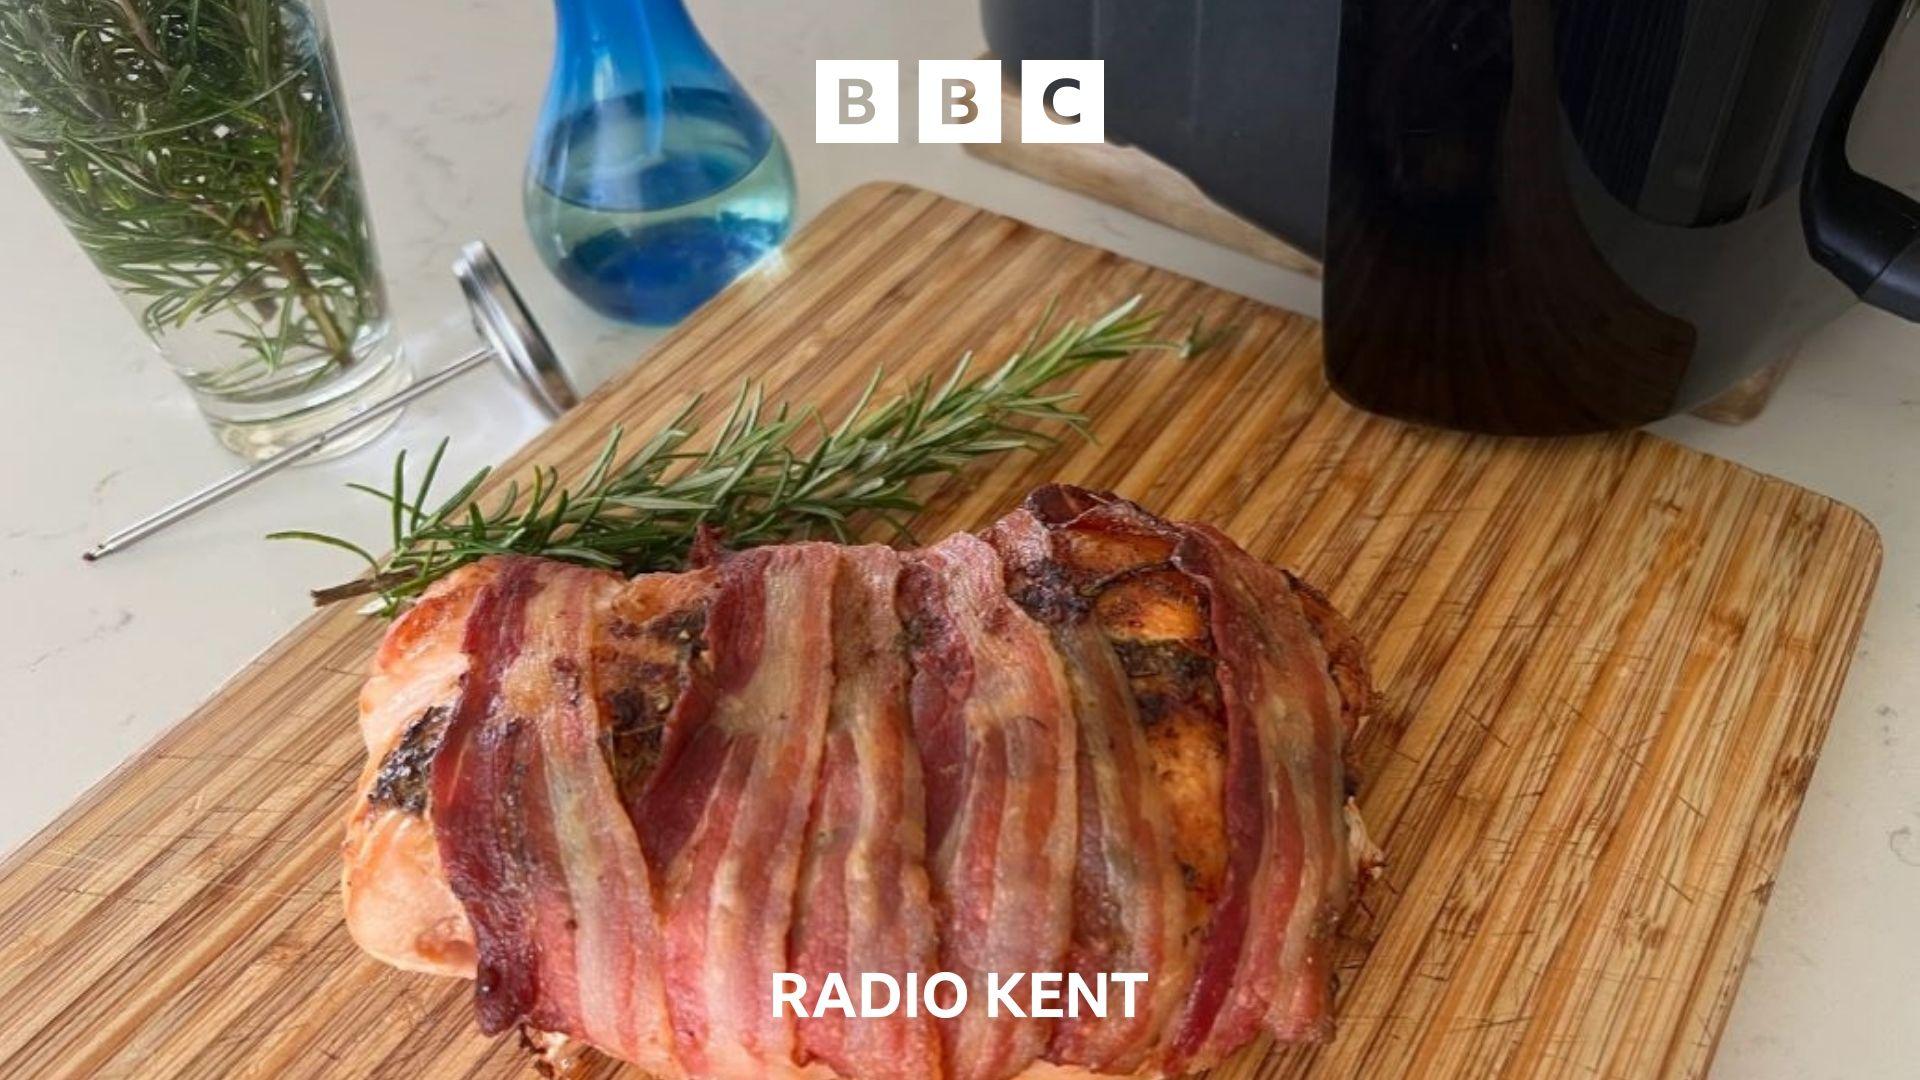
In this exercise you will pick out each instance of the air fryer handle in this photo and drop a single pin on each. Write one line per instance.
(1863, 231)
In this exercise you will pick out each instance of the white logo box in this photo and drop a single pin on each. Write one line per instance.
(959, 101)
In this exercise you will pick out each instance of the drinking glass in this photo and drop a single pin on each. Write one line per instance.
(200, 153)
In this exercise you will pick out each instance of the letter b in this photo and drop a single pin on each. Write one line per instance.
(856, 101)
(959, 101)
(959, 98)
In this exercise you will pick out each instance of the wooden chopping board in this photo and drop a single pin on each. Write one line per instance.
(1605, 668)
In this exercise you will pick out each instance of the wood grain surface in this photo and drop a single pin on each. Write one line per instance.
(1605, 668)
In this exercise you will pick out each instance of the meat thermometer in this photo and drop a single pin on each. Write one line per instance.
(513, 343)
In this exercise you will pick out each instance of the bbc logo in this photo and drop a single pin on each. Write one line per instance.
(858, 101)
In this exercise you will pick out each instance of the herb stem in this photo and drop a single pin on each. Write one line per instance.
(316, 307)
(141, 33)
(358, 587)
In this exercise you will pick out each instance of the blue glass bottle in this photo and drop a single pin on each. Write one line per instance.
(653, 180)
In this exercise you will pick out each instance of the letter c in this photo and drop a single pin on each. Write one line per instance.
(1047, 100)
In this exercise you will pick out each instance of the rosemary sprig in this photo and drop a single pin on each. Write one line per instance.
(769, 473)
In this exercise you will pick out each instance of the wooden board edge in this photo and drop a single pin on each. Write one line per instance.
(159, 745)
(1870, 550)
(341, 630)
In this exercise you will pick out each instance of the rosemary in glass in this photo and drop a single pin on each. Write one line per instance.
(197, 151)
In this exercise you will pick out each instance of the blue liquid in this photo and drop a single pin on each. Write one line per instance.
(657, 274)
(646, 212)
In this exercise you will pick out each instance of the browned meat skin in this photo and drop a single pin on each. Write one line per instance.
(397, 902)
(1113, 554)
(644, 651)
(1157, 620)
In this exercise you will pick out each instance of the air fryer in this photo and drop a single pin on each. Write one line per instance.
(1537, 216)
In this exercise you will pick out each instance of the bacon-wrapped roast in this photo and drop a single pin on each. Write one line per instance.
(1085, 741)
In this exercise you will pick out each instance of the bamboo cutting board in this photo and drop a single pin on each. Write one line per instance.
(1605, 668)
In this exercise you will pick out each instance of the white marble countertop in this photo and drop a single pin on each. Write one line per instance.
(95, 661)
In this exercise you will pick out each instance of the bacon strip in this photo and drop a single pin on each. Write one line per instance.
(1129, 911)
(1286, 796)
(1266, 955)
(531, 830)
(1275, 669)
(991, 714)
(863, 903)
(724, 816)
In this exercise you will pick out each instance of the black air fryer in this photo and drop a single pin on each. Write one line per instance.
(1540, 216)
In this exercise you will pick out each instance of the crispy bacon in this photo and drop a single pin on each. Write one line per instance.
(1265, 962)
(863, 904)
(1129, 908)
(1092, 741)
(992, 716)
(724, 816)
(531, 830)
(1286, 780)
